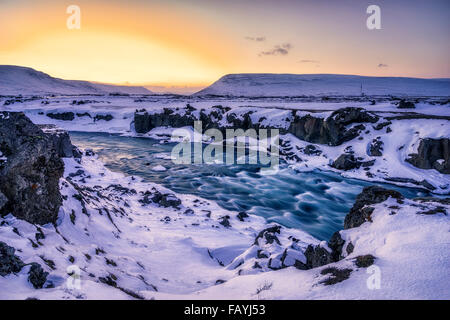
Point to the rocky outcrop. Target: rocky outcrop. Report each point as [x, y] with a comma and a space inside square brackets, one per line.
[144, 122]
[375, 148]
[163, 199]
[317, 256]
[61, 140]
[9, 262]
[361, 210]
[403, 104]
[30, 177]
[332, 130]
[432, 154]
[105, 117]
[348, 161]
[37, 276]
[65, 116]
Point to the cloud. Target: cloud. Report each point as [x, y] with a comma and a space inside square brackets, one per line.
[257, 39]
[282, 49]
[309, 61]
[382, 65]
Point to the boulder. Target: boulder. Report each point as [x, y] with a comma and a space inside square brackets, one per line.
[9, 262]
[336, 243]
[432, 154]
[346, 162]
[403, 104]
[30, 177]
[361, 210]
[364, 261]
[65, 116]
[106, 117]
[317, 256]
[37, 276]
[375, 148]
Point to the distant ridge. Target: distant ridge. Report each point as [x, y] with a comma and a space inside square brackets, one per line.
[281, 85]
[15, 80]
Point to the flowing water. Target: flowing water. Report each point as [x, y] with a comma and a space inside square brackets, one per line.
[315, 202]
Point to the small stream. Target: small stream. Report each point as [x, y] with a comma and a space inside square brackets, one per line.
[315, 202]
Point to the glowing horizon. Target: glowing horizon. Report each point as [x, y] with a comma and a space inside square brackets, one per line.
[194, 43]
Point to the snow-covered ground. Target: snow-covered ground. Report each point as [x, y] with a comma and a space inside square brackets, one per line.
[126, 247]
[108, 229]
[15, 80]
[266, 85]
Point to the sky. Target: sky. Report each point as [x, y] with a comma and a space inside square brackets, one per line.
[192, 43]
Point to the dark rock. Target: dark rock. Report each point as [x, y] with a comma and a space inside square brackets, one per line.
[269, 234]
[333, 130]
[346, 162]
[107, 117]
[336, 243]
[9, 262]
[242, 215]
[225, 221]
[337, 275]
[37, 276]
[3, 201]
[423, 183]
[434, 211]
[220, 281]
[85, 114]
[317, 256]
[360, 213]
[65, 116]
[381, 125]
[261, 255]
[364, 261]
[89, 153]
[30, 177]
[403, 104]
[375, 148]
[432, 154]
[144, 122]
[350, 248]
[311, 150]
[445, 201]
[165, 200]
[61, 141]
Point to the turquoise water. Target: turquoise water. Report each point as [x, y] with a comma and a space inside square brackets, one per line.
[315, 202]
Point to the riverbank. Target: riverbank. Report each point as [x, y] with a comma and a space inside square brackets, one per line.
[131, 239]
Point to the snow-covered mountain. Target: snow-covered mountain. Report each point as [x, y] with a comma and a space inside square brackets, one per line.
[265, 84]
[15, 80]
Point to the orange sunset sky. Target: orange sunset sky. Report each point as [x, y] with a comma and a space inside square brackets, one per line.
[194, 42]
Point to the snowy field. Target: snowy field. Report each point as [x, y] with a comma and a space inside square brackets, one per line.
[128, 248]
[130, 239]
